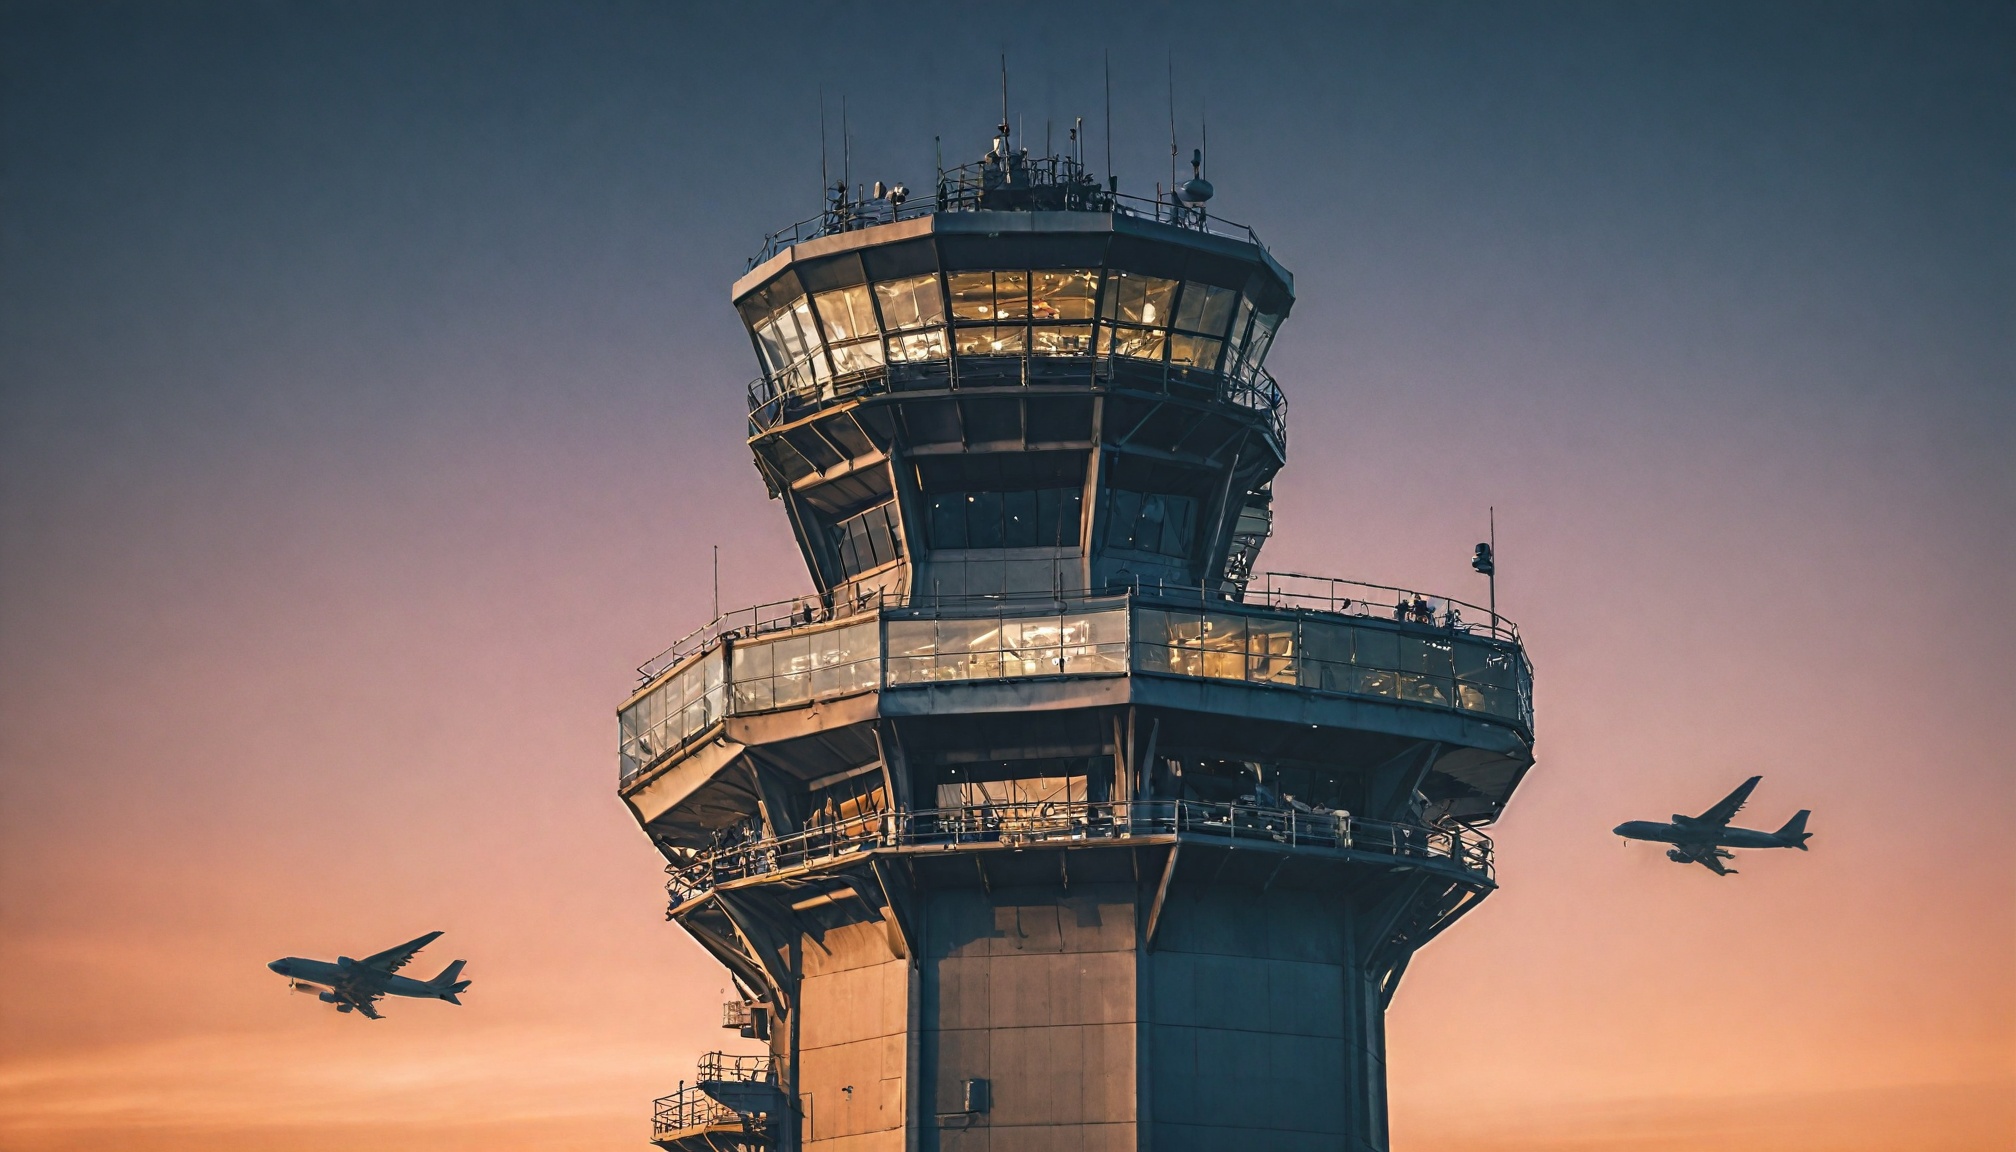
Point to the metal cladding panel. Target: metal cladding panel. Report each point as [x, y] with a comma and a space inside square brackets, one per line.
[1034, 991]
[853, 1041]
[1251, 1024]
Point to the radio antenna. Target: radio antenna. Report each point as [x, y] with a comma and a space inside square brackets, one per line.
[1172, 126]
[1111, 181]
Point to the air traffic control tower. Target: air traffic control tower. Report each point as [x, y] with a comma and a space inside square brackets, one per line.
[1046, 819]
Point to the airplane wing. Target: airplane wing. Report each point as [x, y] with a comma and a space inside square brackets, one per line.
[364, 1003]
[1731, 804]
[393, 959]
[1714, 864]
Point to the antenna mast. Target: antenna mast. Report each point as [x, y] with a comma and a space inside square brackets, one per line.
[1112, 181]
[1172, 130]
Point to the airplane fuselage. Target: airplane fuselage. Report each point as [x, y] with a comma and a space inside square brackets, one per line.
[345, 977]
[1695, 835]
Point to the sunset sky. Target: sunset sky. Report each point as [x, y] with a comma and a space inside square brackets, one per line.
[370, 398]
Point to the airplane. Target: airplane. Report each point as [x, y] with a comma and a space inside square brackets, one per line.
[355, 985]
[1702, 839]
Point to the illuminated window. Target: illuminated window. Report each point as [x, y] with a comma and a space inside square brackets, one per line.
[1062, 295]
[913, 302]
[1132, 298]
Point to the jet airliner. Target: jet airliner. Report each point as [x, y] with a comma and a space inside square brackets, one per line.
[1702, 839]
[355, 985]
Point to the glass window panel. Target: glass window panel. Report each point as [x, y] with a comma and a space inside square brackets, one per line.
[1256, 344]
[972, 295]
[912, 302]
[771, 341]
[808, 332]
[1048, 529]
[1175, 536]
[1424, 689]
[879, 538]
[1238, 337]
[1138, 343]
[983, 520]
[1019, 520]
[855, 555]
[1327, 642]
[985, 341]
[948, 521]
[863, 357]
[795, 688]
[1063, 295]
[752, 661]
[912, 637]
[1137, 299]
[893, 527]
[1224, 644]
[1123, 509]
[912, 347]
[1148, 529]
[1071, 513]
[1108, 627]
[1011, 295]
[1219, 304]
[1376, 648]
[1102, 344]
[1193, 351]
[1483, 664]
[1271, 647]
[846, 314]
[755, 695]
[1427, 655]
[1058, 341]
[1190, 308]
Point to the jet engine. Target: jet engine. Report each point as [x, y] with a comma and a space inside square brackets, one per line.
[330, 998]
[1678, 857]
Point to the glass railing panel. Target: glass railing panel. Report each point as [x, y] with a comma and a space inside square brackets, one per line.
[685, 703]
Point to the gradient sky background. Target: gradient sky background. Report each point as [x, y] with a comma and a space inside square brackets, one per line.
[369, 398]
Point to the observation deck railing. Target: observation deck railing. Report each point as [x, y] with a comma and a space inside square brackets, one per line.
[1458, 847]
[692, 1107]
[1333, 637]
[1040, 193]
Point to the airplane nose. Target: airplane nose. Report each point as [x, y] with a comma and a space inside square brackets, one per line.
[279, 966]
[1617, 831]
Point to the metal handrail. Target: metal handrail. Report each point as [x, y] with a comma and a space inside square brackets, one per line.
[690, 1108]
[1283, 590]
[716, 1066]
[854, 214]
[776, 616]
[1290, 825]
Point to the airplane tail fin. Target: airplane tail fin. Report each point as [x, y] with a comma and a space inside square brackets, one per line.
[1794, 832]
[446, 985]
